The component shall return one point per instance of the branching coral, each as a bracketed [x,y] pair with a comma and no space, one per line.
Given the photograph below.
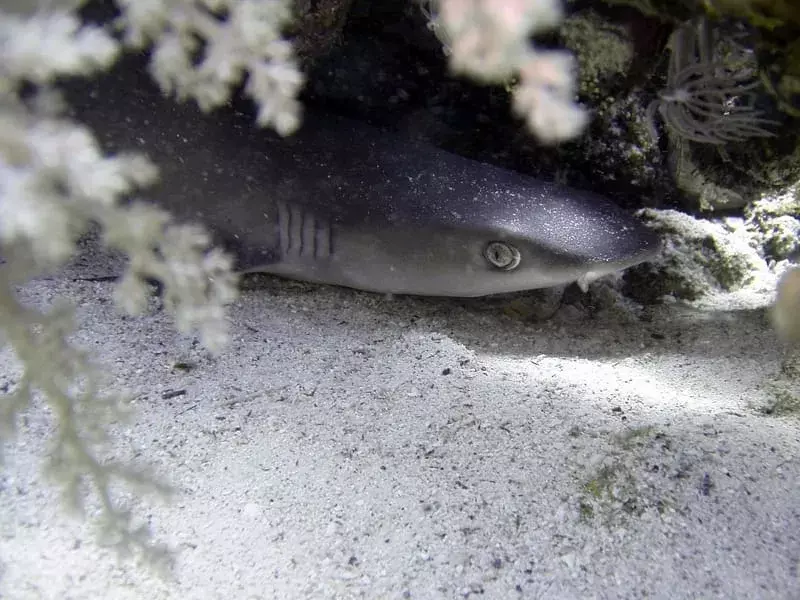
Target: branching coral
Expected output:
[203,48]
[70,385]
[488,41]
[54,184]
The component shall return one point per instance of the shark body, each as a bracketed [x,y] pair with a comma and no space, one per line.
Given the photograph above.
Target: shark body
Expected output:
[342,203]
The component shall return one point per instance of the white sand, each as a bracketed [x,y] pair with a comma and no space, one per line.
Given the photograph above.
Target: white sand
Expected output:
[353,446]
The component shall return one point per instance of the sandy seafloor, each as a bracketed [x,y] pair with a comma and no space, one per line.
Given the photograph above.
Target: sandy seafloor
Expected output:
[350,445]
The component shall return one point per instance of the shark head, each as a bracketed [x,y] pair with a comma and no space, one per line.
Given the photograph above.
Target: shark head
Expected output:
[473,261]
[488,231]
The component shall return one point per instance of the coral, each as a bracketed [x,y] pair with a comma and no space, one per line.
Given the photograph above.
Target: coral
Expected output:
[699,256]
[775,221]
[71,387]
[775,22]
[55,184]
[769,14]
[662,9]
[694,181]
[604,51]
[238,37]
[488,41]
[782,237]
[723,146]
[705,101]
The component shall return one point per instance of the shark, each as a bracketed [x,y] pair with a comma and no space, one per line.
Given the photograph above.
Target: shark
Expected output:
[344,203]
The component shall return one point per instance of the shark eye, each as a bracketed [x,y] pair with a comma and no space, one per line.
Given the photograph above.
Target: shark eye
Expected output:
[502,255]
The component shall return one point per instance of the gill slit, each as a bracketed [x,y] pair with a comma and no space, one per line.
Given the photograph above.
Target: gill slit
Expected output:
[302,235]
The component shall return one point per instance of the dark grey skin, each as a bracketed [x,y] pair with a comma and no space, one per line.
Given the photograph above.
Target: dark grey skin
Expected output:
[342,203]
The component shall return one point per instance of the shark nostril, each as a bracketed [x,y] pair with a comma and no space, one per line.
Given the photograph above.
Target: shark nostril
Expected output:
[502,255]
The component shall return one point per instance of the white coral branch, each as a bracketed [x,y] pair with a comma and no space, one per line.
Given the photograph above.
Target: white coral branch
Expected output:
[54,183]
[204,48]
[488,41]
[53,43]
[70,387]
